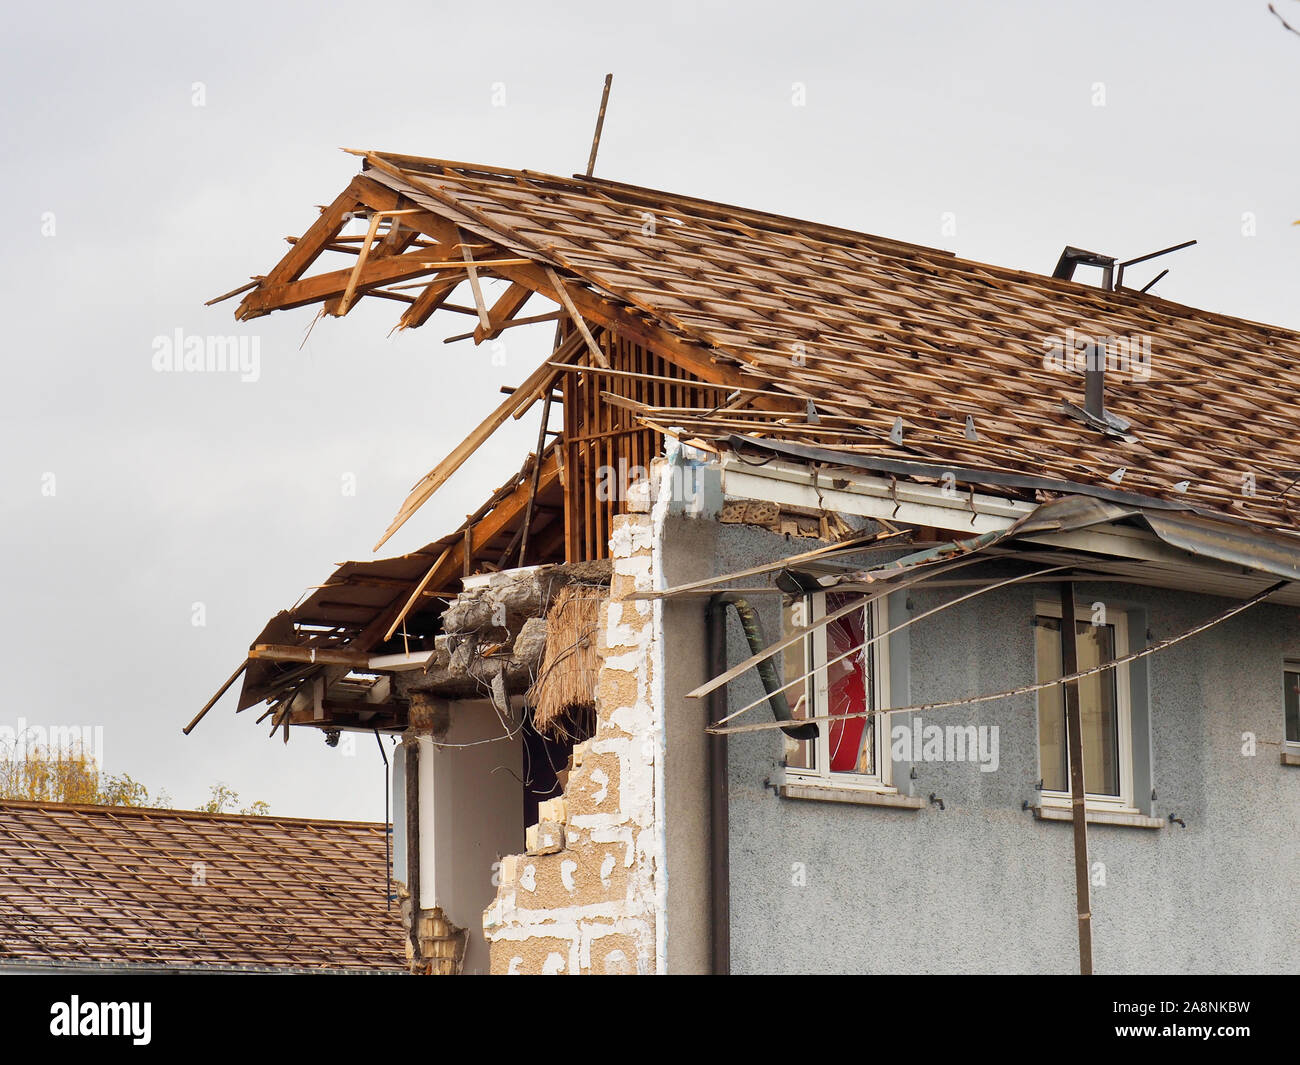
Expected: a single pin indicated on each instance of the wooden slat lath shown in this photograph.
(604, 445)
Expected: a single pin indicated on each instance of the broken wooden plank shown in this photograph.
(315, 656)
(319, 233)
(514, 323)
(269, 297)
(345, 300)
(415, 596)
(537, 383)
(562, 294)
(213, 701)
(396, 241)
(484, 319)
(433, 297)
(233, 292)
(498, 518)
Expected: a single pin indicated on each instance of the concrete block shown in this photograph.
(552, 810)
(545, 837)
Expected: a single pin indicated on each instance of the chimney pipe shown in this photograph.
(1094, 394)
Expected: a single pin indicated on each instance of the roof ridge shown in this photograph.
(729, 210)
(180, 814)
(1117, 300)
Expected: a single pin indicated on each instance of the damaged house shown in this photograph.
(859, 609)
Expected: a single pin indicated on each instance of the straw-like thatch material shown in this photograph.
(564, 695)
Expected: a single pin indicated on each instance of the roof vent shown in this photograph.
(1074, 257)
(1094, 412)
(1112, 278)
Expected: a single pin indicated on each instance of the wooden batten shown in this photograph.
(603, 444)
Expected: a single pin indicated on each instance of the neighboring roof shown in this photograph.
(880, 330)
(98, 886)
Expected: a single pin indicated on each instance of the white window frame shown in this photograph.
(817, 686)
(1289, 665)
(1123, 802)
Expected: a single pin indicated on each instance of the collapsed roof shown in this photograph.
(722, 325)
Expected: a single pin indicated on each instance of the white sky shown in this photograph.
(189, 488)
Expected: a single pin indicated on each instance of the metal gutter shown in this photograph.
(909, 468)
(1190, 531)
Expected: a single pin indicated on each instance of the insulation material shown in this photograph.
(564, 696)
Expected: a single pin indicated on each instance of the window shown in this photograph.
(834, 676)
(1291, 703)
(1100, 636)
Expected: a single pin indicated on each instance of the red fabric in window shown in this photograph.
(847, 689)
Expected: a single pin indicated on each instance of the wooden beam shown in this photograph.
(600, 124)
(362, 193)
(272, 652)
(562, 294)
(505, 308)
(336, 283)
(415, 597)
(345, 301)
(430, 300)
(318, 234)
(233, 292)
(497, 519)
(213, 701)
(394, 242)
(484, 320)
(688, 356)
(693, 357)
(514, 323)
(535, 479)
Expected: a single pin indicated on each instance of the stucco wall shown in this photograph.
(468, 838)
(584, 898)
(983, 886)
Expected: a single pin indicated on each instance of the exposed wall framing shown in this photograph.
(604, 444)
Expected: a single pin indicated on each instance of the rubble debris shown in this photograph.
(496, 632)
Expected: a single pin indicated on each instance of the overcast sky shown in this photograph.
(1117, 126)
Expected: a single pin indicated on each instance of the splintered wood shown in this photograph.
(564, 695)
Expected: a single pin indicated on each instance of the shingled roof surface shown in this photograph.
(874, 330)
(112, 886)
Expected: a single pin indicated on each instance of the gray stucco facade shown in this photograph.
(983, 886)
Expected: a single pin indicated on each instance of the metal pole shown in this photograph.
(1078, 796)
(412, 777)
(537, 473)
(213, 701)
(719, 813)
(388, 827)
